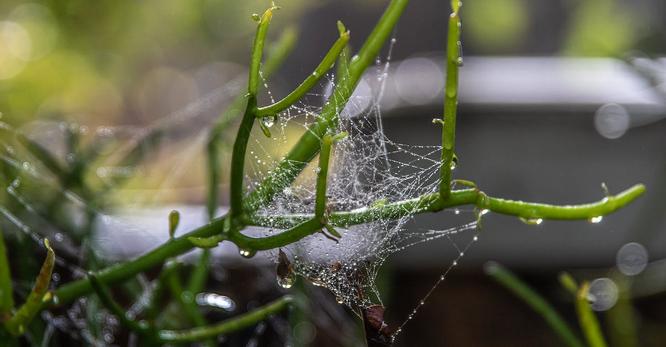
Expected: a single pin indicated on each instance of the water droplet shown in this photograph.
(632, 259)
(455, 262)
(596, 220)
(603, 294)
(531, 221)
(247, 253)
(256, 17)
(476, 238)
(340, 300)
(215, 300)
(456, 211)
(286, 281)
(268, 121)
(453, 165)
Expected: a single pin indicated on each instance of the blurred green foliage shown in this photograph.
(87, 60)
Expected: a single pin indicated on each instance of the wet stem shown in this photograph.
(244, 206)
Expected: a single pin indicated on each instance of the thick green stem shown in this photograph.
(277, 54)
(238, 158)
(453, 61)
(433, 203)
(304, 225)
(123, 271)
(230, 325)
(282, 239)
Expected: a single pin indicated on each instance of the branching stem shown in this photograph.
(326, 63)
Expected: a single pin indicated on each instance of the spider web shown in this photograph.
(367, 169)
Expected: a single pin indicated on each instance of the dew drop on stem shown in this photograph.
(247, 253)
(531, 221)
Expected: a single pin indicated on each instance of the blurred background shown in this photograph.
(557, 96)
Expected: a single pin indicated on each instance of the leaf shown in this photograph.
(174, 220)
(206, 242)
(39, 294)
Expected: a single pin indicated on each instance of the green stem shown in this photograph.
(228, 326)
(17, 324)
(282, 239)
(245, 128)
(427, 203)
(433, 203)
(588, 321)
(453, 61)
(308, 145)
(123, 271)
(258, 50)
(535, 301)
(322, 176)
(277, 54)
(238, 159)
(326, 63)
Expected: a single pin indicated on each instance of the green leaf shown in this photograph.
(206, 242)
(39, 294)
(174, 220)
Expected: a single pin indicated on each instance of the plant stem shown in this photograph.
(588, 321)
(282, 239)
(453, 61)
(124, 271)
(17, 324)
(258, 50)
(427, 203)
(277, 54)
(433, 203)
(308, 145)
(535, 301)
(326, 63)
(238, 159)
(322, 176)
(230, 325)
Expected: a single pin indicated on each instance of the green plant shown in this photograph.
(318, 140)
